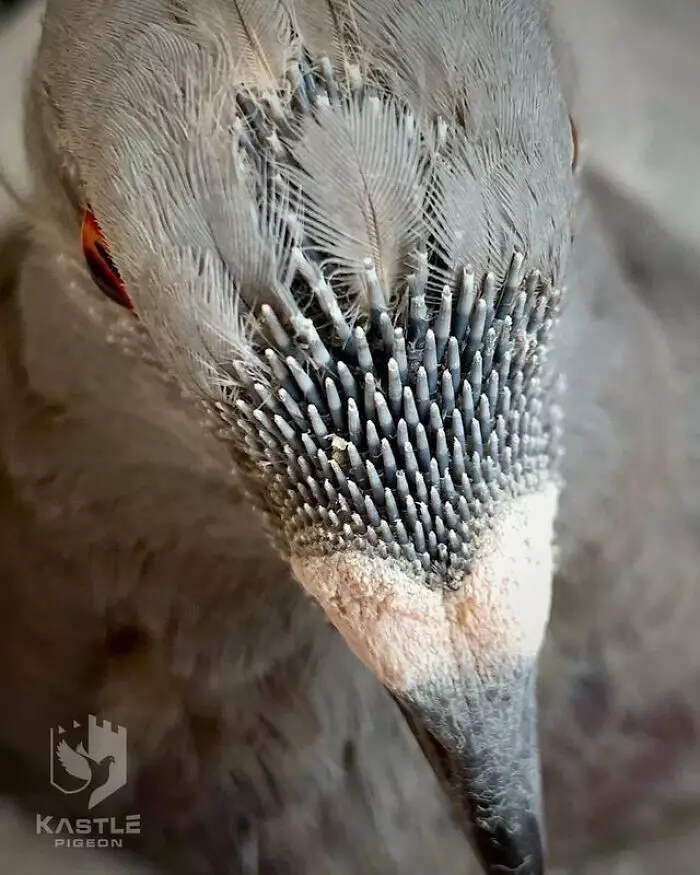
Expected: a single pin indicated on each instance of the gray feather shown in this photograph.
(362, 174)
(257, 34)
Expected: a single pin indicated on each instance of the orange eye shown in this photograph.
(100, 264)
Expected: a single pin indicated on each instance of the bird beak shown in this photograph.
(480, 739)
(461, 663)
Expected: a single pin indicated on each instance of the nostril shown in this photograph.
(576, 148)
(349, 756)
(124, 641)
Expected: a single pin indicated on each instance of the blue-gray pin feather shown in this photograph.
(404, 399)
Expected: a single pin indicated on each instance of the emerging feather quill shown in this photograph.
(397, 393)
(363, 285)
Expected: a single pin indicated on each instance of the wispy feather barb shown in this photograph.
(362, 172)
(210, 335)
(338, 264)
(259, 36)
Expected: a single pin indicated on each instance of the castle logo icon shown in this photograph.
(88, 758)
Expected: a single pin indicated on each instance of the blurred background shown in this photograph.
(636, 77)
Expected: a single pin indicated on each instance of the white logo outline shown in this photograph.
(105, 755)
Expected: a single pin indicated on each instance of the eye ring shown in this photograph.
(99, 262)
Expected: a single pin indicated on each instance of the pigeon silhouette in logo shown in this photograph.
(80, 765)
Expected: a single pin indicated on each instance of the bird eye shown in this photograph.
(99, 262)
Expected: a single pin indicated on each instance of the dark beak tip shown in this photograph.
(483, 749)
(513, 849)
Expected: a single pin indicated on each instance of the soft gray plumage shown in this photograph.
(209, 205)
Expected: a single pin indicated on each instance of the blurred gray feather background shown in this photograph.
(636, 74)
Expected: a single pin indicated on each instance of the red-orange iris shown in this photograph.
(99, 262)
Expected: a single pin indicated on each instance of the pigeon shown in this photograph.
(283, 429)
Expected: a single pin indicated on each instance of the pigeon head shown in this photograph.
(345, 226)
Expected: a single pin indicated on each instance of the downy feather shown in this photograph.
(487, 69)
(418, 49)
(362, 173)
(209, 334)
(490, 198)
(248, 215)
(322, 26)
(258, 34)
(339, 29)
(198, 189)
(460, 58)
